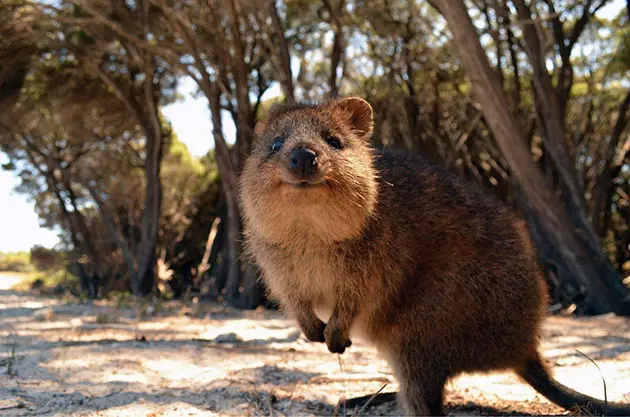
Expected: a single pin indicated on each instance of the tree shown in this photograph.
(554, 233)
(226, 60)
(141, 82)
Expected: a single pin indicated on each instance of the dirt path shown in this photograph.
(207, 360)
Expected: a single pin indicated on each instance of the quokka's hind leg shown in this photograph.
(421, 385)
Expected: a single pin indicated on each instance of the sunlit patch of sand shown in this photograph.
(154, 409)
(96, 360)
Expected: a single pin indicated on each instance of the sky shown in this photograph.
(19, 225)
(190, 117)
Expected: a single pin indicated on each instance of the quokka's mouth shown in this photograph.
(304, 184)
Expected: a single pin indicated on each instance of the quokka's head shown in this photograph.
(311, 173)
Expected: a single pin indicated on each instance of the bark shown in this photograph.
(252, 294)
(87, 246)
(335, 60)
(150, 218)
(223, 267)
(87, 283)
(229, 184)
(234, 250)
(150, 224)
(603, 290)
(282, 48)
(336, 55)
(246, 119)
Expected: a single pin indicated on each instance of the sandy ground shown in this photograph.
(207, 360)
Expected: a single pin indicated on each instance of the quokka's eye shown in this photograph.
(277, 144)
(334, 142)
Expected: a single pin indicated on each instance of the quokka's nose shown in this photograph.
(303, 162)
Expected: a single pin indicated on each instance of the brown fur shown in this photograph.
(441, 278)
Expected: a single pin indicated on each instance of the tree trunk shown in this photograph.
(229, 186)
(143, 284)
(336, 55)
(552, 117)
(223, 267)
(603, 290)
(78, 248)
(413, 103)
(234, 249)
(252, 294)
(285, 74)
(150, 225)
(88, 247)
(245, 116)
(78, 245)
(335, 60)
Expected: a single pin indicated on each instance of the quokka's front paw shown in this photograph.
(314, 331)
(336, 340)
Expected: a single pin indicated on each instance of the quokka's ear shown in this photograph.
(359, 114)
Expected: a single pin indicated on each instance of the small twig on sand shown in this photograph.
(10, 407)
(336, 410)
(340, 363)
(370, 400)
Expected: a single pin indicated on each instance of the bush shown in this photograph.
(50, 281)
(16, 262)
(45, 259)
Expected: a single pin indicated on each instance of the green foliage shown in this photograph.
(50, 282)
(40, 269)
(16, 262)
(44, 259)
(619, 27)
(264, 107)
(122, 299)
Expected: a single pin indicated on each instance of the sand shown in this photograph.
(200, 359)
